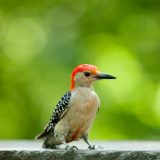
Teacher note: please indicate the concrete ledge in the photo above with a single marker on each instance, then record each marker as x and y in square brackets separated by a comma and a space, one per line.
[80, 155]
[31, 150]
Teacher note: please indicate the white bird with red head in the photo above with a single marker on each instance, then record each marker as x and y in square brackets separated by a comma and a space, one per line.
[74, 114]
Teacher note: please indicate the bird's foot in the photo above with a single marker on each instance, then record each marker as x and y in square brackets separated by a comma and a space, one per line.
[71, 147]
[91, 147]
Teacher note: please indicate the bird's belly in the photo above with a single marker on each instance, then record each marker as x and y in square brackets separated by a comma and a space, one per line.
[80, 122]
[79, 117]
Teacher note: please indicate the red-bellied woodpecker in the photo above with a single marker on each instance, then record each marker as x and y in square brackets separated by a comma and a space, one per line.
[75, 112]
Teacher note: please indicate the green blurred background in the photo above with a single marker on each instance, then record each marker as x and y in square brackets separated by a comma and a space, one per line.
[42, 41]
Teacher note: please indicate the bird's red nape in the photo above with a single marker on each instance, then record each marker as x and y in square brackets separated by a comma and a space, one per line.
[81, 68]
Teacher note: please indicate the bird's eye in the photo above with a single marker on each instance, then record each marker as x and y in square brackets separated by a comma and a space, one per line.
[87, 74]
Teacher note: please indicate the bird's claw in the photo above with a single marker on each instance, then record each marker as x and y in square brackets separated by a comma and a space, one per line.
[71, 147]
[91, 147]
[94, 147]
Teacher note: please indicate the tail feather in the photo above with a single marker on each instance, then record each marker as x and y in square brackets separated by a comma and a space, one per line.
[41, 135]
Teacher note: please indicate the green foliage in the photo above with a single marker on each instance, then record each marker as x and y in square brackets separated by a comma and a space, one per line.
[42, 41]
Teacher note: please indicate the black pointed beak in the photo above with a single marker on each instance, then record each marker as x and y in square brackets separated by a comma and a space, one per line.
[104, 76]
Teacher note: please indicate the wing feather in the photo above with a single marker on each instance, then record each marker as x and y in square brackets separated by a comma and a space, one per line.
[58, 112]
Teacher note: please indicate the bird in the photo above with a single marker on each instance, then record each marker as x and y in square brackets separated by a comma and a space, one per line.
[74, 114]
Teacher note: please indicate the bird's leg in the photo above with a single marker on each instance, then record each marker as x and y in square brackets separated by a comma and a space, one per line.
[85, 138]
[67, 147]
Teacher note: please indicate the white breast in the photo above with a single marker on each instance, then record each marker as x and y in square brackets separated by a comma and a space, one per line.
[83, 97]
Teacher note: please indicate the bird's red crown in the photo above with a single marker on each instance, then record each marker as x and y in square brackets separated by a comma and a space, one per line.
[81, 68]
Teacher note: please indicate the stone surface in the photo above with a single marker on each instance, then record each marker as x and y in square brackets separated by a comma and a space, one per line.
[112, 150]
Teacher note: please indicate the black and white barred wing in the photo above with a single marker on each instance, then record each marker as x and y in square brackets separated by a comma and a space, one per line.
[59, 111]
[57, 114]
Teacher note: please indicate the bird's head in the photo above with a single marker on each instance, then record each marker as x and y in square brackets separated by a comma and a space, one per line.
[85, 74]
